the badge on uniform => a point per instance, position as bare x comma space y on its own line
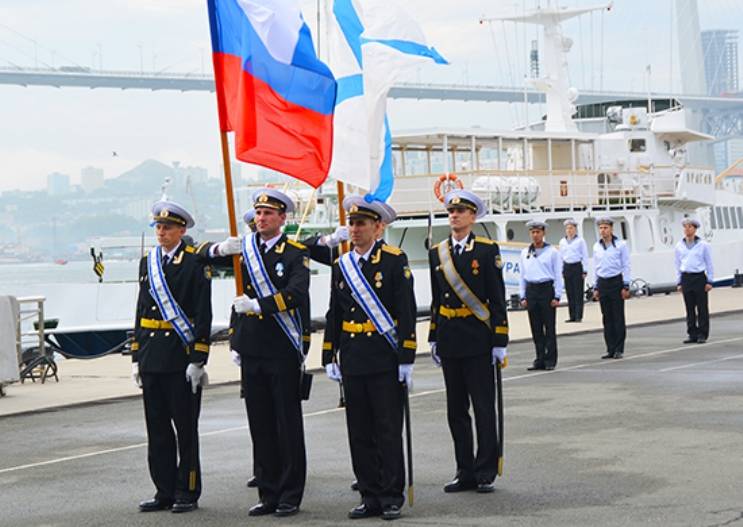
378, 279
407, 272
279, 269
306, 261
208, 272
498, 261
475, 267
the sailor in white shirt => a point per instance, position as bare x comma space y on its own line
694, 276
574, 254
611, 287
540, 288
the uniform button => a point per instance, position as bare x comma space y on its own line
368, 333
353, 309
153, 308
353, 335
167, 333
152, 334
446, 295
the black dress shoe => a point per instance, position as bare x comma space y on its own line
155, 504
485, 488
701, 340
363, 511
184, 506
608, 356
252, 483
618, 356
690, 341
355, 485
568, 321
534, 367
391, 512
459, 485
286, 509
261, 509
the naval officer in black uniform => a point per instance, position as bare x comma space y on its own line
611, 265
168, 358
540, 287
694, 276
372, 365
269, 357
467, 337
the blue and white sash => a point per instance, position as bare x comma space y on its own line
289, 321
169, 308
460, 287
364, 295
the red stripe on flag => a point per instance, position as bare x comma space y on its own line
270, 131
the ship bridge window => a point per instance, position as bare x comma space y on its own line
637, 145
726, 212
740, 217
713, 218
733, 218
718, 211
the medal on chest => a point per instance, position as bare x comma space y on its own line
378, 280
475, 267
279, 269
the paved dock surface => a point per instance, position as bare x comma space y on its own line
653, 439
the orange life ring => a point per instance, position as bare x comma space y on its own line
451, 179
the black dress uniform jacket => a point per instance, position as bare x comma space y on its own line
368, 352
479, 265
160, 350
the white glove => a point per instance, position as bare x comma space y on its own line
333, 372
231, 245
405, 374
434, 355
245, 304
197, 376
500, 355
136, 377
236, 358
333, 240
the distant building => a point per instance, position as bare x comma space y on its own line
91, 178
720, 50
57, 184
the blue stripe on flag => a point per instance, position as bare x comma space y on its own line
348, 87
409, 48
386, 178
351, 26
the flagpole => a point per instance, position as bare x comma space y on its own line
231, 208
341, 190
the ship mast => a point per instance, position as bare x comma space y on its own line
560, 97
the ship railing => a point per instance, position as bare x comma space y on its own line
530, 191
35, 358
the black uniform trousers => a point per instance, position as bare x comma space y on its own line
574, 286
697, 306
272, 401
542, 322
472, 379
374, 419
173, 457
612, 313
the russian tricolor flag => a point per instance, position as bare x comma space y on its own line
272, 90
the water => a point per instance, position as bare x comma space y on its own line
14, 275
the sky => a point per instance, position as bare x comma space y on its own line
44, 129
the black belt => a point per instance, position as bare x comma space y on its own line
540, 284
699, 273
611, 278
572, 263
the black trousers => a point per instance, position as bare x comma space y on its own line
374, 419
542, 322
574, 287
612, 313
471, 379
173, 457
697, 305
272, 401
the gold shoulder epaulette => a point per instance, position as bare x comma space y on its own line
201, 247
391, 249
482, 239
190, 249
296, 244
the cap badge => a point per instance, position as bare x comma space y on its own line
354, 208
164, 213
263, 198
456, 200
